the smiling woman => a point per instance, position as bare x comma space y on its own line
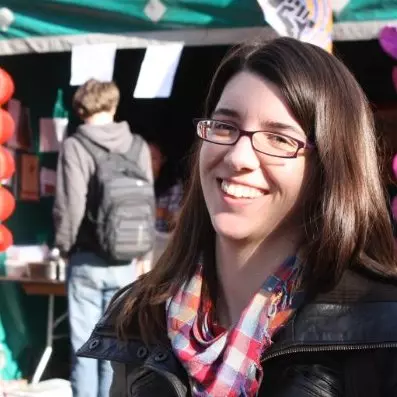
280, 278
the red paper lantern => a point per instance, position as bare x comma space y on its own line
5, 238
7, 204
7, 164
6, 86
7, 126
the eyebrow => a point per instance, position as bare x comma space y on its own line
276, 125
267, 125
225, 112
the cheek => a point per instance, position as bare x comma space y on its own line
210, 155
298, 184
289, 180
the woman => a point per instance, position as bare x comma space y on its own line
280, 278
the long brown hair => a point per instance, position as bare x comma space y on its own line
346, 221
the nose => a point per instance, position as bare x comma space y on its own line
242, 155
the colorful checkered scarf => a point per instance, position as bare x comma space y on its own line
227, 362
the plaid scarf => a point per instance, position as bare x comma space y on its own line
227, 362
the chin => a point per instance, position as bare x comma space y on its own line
230, 228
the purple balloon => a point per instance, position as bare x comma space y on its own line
388, 40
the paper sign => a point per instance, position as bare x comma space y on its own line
158, 69
52, 132
29, 178
92, 61
22, 136
309, 21
48, 179
14, 108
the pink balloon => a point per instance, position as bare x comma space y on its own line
394, 76
394, 165
388, 40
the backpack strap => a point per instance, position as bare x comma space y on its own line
97, 152
132, 155
133, 152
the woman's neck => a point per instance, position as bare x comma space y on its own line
242, 269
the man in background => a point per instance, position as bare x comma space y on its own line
92, 279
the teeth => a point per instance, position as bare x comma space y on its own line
240, 191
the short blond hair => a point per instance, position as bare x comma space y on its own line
95, 96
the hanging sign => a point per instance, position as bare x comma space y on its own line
306, 20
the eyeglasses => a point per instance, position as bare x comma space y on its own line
270, 143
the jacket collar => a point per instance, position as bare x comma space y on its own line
359, 310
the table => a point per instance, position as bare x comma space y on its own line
50, 288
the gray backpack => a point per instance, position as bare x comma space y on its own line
121, 203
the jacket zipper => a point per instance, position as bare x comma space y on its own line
327, 348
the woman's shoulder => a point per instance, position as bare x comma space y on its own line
360, 310
131, 354
117, 305
362, 285
105, 340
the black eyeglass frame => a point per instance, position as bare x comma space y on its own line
250, 134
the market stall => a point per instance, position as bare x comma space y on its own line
36, 48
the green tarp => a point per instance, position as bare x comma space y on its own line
55, 25
369, 10
59, 17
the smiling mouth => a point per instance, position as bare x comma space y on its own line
240, 191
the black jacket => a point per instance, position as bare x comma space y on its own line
342, 343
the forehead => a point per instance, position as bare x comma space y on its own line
254, 100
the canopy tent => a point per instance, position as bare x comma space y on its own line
57, 25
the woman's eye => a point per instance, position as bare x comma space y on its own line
223, 129
281, 141
222, 126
